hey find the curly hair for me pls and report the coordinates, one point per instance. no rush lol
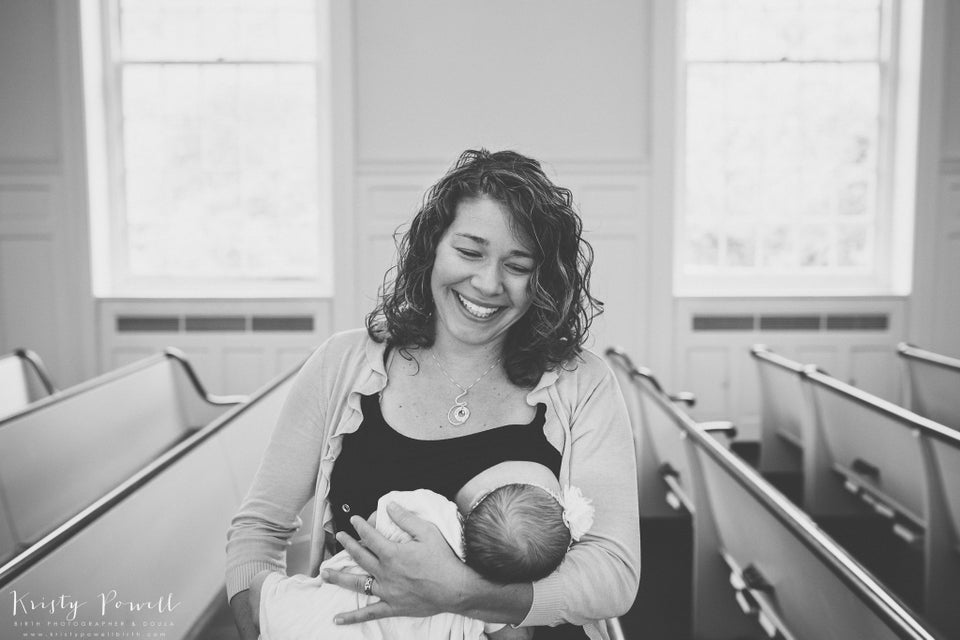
(553, 330)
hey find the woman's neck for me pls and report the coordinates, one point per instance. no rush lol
(457, 354)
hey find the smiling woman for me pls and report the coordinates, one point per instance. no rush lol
(472, 358)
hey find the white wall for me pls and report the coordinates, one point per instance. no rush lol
(569, 82)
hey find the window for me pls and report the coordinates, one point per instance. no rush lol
(211, 149)
(791, 133)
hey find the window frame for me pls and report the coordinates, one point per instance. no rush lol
(109, 227)
(891, 271)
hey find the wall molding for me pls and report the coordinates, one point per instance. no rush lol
(437, 167)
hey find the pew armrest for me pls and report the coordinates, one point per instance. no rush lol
(684, 397)
(717, 427)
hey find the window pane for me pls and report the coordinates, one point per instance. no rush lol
(726, 30)
(218, 29)
(770, 142)
(221, 170)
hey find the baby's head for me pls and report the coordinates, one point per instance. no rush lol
(514, 528)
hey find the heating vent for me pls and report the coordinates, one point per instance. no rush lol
(220, 324)
(780, 322)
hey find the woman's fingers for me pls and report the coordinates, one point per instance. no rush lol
(360, 554)
(410, 522)
(349, 581)
(371, 538)
(375, 611)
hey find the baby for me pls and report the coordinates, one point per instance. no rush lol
(516, 526)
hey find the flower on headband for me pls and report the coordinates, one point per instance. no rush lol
(577, 512)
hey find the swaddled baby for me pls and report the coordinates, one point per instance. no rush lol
(511, 523)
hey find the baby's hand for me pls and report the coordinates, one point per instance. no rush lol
(509, 633)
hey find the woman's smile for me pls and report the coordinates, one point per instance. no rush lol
(479, 311)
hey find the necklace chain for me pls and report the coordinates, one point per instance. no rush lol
(459, 412)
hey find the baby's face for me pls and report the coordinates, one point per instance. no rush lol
(512, 472)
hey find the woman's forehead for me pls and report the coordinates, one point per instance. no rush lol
(487, 221)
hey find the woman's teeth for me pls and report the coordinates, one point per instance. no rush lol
(476, 309)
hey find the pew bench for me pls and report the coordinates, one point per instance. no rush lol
(61, 453)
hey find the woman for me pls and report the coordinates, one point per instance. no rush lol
(472, 357)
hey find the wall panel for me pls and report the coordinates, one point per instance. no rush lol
(30, 105)
(431, 81)
(28, 297)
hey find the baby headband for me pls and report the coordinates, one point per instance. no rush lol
(577, 509)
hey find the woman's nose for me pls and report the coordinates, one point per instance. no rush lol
(486, 279)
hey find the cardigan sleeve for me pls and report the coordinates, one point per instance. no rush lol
(269, 515)
(600, 574)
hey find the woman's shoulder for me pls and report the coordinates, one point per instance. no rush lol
(585, 371)
(351, 348)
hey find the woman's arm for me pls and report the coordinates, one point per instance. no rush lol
(422, 577)
(600, 574)
(269, 515)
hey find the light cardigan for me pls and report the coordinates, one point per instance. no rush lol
(586, 421)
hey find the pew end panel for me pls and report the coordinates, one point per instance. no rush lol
(198, 407)
(23, 380)
(650, 488)
(784, 420)
(14, 389)
(667, 442)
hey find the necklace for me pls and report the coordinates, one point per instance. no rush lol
(459, 412)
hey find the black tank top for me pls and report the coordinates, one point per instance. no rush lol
(375, 460)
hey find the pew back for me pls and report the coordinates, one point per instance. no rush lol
(933, 384)
(872, 446)
(60, 454)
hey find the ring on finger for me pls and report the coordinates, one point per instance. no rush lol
(368, 586)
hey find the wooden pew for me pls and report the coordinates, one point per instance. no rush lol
(784, 423)
(662, 473)
(902, 466)
(156, 538)
(763, 568)
(23, 379)
(933, 384)
(59, 454)
(790, 437)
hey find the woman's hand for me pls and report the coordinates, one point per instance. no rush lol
(418, 578)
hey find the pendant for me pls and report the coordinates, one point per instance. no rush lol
(458, 414)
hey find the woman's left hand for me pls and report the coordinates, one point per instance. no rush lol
(422, 577)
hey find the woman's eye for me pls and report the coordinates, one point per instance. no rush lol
(468, 253)
(520, 268)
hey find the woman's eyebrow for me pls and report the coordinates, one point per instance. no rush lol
(516, 253)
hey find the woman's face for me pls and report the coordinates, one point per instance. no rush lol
(481, 276)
